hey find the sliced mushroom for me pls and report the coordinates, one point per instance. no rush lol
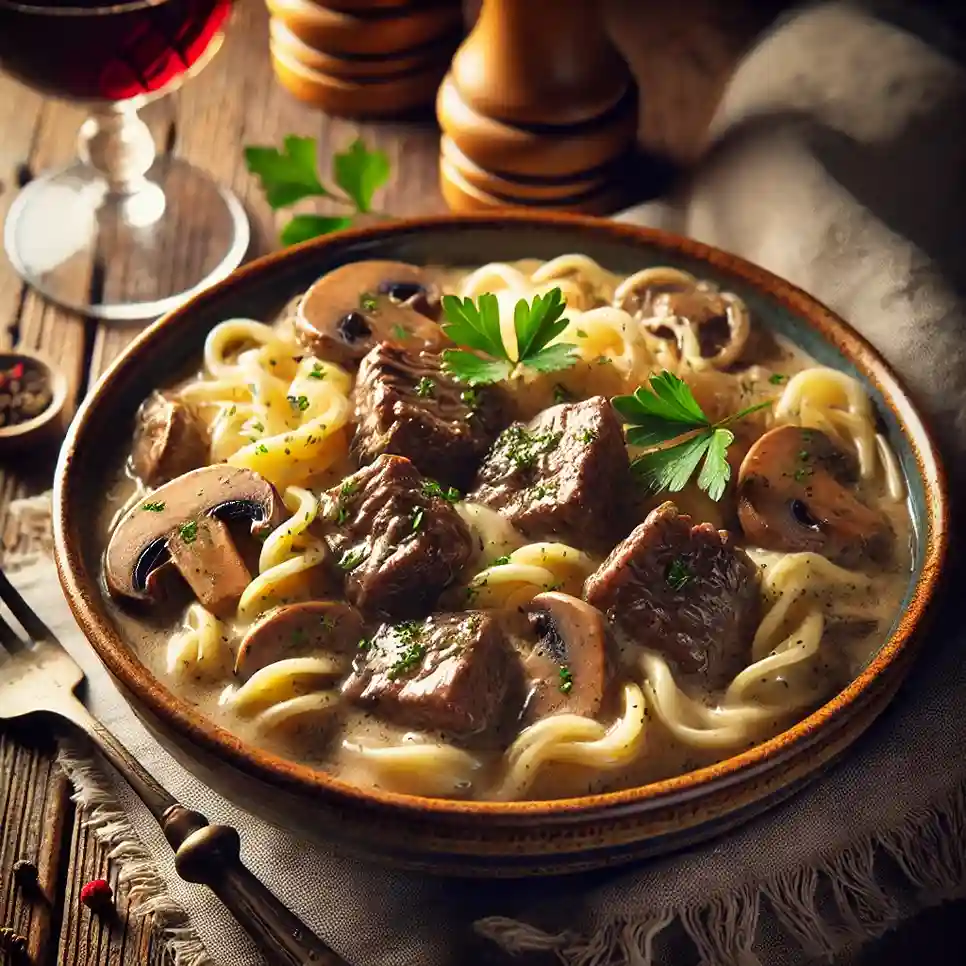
(675, 307)
(351, 309)
(568, 664)
(183, 521)
(169, 440)
(294, 630)
(795, 493)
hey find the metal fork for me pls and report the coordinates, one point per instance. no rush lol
(38, 677)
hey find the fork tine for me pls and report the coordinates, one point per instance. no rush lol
(30, 622)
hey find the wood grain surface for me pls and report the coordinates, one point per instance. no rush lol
(681, 53)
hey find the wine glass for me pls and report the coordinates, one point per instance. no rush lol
(118, 207)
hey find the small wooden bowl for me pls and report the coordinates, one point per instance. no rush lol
(47, 427)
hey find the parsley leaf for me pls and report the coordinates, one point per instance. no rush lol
(288, 175)
(303, 227)
(359, 172)
(477, 326)
(669, 412)
(475, 371)
(716, 471)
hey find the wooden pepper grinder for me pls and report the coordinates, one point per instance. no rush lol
(538, 109)
(364, 58)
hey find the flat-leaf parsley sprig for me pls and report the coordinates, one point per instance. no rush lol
(291, 174)
(477, 326)
(668, 411)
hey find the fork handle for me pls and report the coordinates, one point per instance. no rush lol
(210, 855)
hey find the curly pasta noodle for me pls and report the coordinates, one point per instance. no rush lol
(777, 683)
(574, 740)
(271, 408)
(835, 403)
(200, 649)
(287, 690)
(417, 765)
(532, 569)
(287, 553)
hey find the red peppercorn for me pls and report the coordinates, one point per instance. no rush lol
(97, 895)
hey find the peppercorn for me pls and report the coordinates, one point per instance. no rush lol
(12, 942)
(25, 875)
(98, 895)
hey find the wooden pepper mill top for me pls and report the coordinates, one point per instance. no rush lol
(540, 62)
(538, 109)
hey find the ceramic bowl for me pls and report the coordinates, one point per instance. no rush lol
(486, 838)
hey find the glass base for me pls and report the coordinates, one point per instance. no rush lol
(127, 256)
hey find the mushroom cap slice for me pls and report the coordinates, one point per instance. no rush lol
(294, 630)
(569, 663)
(141, 542)
(169, 440)
(356, 306)
(795, 493)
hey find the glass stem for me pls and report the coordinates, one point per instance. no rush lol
(117, 144)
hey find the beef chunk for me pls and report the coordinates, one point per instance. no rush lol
(565, 475)
(169, 440)
(406, 405)
(449, 673)
(683, 591)
(397, 542)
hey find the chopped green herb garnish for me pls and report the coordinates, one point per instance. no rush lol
(365, 644)
(317, 372)
(450, 494)
(414, 650)
(261, 448)
(188, 531)
(542, 490)
(566, 679)
(501, 561)
(476, 326)
(400, 331)
(470, 397)
(522, 447)
(666, 412)
(678, 574)
(802, 474)
(425, 388)
(368, 302)
(352, 558)
(776, 379)
(581, 334)
(417, 518)
(258, 427)
(155, 507)
(587, 435)
(301, 403)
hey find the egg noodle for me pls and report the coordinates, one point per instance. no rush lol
(287, 415)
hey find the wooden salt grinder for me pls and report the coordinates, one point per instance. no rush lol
(364, 58)
(538, 109)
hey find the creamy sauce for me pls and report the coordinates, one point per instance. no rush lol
(857, 618)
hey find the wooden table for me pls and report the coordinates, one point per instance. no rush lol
(235, 102)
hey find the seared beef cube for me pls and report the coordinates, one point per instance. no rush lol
(406, 404)
(448, 673)
(684, 591)
(565, 475)
(397, 541)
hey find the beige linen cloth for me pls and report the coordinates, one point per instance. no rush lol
(839, 163)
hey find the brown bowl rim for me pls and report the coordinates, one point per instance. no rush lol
(189, 723)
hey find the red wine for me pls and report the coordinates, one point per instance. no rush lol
(98, 50)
